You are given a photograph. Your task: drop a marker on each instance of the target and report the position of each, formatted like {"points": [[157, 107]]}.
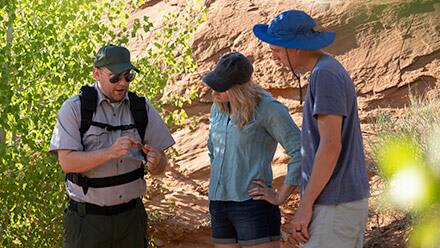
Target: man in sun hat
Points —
{"points": [[104, 138], [333, 210]]}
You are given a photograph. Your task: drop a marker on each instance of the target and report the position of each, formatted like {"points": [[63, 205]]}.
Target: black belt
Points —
{"points": [[103, 182], [103, 210]]}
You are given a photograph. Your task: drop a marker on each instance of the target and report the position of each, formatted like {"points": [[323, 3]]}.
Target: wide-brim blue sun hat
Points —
{"points": [[293, 29]]}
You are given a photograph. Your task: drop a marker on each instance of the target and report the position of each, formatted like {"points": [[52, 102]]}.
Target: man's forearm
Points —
{"points": [[323, 167], [82, 161]]}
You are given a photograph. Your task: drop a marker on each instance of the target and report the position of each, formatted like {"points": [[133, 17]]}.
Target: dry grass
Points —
{"points": [[389, 227]]}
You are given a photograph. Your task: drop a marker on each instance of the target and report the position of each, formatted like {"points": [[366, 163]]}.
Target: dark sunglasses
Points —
{"points": [[128, 77]]}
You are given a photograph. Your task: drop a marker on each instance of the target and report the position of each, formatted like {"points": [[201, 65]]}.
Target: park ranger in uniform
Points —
{"points": [[105, 138]]}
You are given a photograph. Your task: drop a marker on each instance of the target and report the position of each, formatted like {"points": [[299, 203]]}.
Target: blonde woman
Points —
{"points": [[246, 124]]}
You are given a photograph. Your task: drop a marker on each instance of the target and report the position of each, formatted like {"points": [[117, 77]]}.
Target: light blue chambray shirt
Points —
{"points": [[240, 155]]}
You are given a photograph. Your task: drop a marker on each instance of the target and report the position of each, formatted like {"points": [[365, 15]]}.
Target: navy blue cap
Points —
{"points": [[233, 68]]}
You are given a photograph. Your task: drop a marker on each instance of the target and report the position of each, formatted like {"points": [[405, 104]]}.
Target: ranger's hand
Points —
{"points": [[156, 160], [122, 147]]}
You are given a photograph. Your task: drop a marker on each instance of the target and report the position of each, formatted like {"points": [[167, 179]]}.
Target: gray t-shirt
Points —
{"points": [[66, 136], [331, 92]]}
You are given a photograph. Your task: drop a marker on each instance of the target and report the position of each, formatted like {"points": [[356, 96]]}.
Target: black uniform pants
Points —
{"points": [[89, 226]]}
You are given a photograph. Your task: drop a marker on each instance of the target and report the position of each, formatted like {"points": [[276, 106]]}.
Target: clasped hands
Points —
{"points": [[124, 144]]}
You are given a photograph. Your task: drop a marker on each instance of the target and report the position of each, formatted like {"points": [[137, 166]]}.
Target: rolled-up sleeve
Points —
{"points": [[282, 128]]}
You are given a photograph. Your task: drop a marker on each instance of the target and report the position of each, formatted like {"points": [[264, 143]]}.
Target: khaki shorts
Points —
{"points": [[340, 226]]}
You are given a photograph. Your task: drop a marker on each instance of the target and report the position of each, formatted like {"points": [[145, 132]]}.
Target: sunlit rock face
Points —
{"points": [[390, 48]]}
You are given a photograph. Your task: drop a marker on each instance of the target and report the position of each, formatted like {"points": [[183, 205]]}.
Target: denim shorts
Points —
{"points": [[247, 223]]}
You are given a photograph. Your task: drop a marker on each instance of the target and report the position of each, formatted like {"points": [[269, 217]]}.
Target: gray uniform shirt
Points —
{"points": [[66, 136]]}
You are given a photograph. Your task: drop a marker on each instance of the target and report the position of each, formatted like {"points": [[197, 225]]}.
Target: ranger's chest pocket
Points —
{"points": [[136, 151], [96, 138], [133, 133]]}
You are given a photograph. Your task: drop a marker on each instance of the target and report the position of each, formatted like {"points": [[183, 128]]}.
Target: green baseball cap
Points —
{"points": [[115, 58]]}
